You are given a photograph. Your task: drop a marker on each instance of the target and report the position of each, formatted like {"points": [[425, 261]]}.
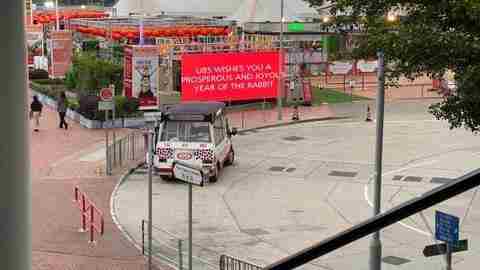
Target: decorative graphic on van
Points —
{"points": [[184, 156], [165, 153], [204, 154]]}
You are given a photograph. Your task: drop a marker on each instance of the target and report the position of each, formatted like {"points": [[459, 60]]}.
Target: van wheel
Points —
{"points": [[214, 177], [166, 178], [230, 158]]}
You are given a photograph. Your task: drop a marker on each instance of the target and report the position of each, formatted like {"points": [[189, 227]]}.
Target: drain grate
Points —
{"points": [[294, 138], [413, 179], [343, 174], [277, 169], [441, 180], [290, 169], [394, 260], [397, 177], [255, 231]]}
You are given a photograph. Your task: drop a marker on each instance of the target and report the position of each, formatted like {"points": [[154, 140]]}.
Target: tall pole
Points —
{"points": [[150, 214], [448, 256], [142, 39], [190, 221], [280, 71], [376, 244], [15, 194], [56, 15]]}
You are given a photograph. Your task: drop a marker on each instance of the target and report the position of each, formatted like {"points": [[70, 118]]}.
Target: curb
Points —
{"points": [[113, 214], [295, 122], [124, 232]]}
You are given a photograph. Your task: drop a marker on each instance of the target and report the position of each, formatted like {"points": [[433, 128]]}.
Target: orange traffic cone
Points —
{"points": [[369, 114]]}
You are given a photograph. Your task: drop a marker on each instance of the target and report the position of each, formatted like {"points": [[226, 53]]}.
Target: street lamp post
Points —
{"points": [[142, 39], [56, 15], [280, 71], [376, 244]]}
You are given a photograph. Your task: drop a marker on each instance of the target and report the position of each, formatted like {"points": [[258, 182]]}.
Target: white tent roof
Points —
{"points": [[269, 10], [240, 10]]}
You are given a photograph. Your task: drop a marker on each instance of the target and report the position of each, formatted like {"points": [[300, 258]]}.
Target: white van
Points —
{"points": [[196, 133]]}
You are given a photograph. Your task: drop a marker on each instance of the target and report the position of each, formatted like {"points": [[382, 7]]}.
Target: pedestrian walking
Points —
{"points": [[62, 109], [36, 112]]}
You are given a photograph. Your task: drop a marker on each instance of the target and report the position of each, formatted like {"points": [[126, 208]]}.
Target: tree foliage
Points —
{"points": [[431, 37], [89, 74]]}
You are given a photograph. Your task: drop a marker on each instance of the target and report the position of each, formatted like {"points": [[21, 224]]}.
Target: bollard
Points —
{"points": [[143, 236], [120, 151], [84, 209], [114, 150], [243, 119], [369, 114], [92, 229], [133, 146], [295, 114], [180, 255], [108, 159]]}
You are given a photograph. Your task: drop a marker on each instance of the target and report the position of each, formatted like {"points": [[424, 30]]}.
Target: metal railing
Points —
{"points": [[169, 248], [128, 148], [230, 263], [89, 215]]}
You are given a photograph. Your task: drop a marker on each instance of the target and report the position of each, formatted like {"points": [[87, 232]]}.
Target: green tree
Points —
{"points": [[431, 37], [89, 74]]}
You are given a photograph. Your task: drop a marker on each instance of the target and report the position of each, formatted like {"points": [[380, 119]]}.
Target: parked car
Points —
{"points": [[196, 133]]}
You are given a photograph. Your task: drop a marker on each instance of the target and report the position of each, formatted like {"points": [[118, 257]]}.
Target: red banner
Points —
{"points": [[61, 45], [230, 76], [141, 78], [127, 71]]}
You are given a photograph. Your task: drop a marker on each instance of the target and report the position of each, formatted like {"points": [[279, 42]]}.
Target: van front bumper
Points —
{"points": [[167, 170]]}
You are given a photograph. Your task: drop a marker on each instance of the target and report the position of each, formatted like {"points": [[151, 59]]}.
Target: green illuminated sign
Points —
{"points": [[296, 27]]}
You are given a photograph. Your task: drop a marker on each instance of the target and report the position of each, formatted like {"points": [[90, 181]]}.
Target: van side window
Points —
{"points": [[219, 130]]}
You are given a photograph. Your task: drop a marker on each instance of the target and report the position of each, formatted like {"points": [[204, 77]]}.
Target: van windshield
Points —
{"points": [[181, 131]]}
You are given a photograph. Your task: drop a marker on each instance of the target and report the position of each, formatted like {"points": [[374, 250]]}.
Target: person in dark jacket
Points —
{"points": [[62, 109], [36, 111]]}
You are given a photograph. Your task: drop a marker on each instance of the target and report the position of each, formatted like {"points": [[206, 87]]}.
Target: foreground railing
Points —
{"points": [[392, 216], [171, 250], [121, 150], [230, 263]]}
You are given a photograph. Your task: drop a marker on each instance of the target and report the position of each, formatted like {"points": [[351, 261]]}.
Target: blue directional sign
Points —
{"points": [[446, 227]]}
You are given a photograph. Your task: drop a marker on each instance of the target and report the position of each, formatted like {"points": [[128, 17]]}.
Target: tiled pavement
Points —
{"points": [[57, 167]]}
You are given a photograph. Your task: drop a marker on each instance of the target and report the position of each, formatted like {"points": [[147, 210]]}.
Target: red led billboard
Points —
{"points": [[230, 76]]}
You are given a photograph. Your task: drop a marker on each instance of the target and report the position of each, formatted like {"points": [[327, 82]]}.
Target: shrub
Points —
{"points": [[88, 106], [73, 104]]}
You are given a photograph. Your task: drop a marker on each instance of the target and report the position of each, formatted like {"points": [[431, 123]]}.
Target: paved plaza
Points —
{"points": [[293, 186]]}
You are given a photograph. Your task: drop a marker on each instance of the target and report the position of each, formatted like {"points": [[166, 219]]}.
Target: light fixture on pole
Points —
{"points": [[280, 71], [56, 15], [141, 31]]}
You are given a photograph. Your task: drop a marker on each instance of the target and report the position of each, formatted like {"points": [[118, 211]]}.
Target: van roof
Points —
{"points": [[203, 108]]}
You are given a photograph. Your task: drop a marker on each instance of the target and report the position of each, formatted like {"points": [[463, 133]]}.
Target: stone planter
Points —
{"points": [[134, 122], [73, 115], [118, 123], [90, 123]]}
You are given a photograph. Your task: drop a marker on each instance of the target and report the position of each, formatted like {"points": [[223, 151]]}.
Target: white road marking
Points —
{"points": [[397, 171]]}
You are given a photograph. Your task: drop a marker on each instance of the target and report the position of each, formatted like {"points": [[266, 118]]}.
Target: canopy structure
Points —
{"points": [[270, 10], [239, 10]]}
